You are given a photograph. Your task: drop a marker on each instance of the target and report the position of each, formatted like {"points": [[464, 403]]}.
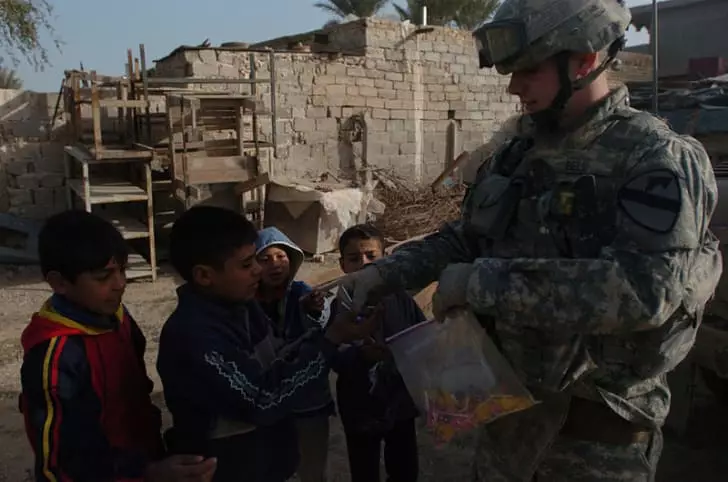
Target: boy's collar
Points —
{"points": [[68, 309], [189, 290]]}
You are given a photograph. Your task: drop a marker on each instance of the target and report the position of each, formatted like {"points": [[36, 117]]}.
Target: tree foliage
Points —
{"points": [[21, 25], [9, 79], [467, 14], [359, 8]]}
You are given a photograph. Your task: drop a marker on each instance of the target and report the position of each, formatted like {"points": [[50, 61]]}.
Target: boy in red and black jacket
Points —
{"points": [[85, 390]]}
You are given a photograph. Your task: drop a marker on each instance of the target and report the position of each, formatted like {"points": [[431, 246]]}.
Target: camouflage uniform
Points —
{"points": [[592, 263]]}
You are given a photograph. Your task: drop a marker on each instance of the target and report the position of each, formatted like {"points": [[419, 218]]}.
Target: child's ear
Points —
{"points": [[341, 263], [202, 275], [57, 282]]}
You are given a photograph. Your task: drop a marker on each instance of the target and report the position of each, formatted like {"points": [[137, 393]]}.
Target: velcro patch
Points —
{"points": [[652, 199]]}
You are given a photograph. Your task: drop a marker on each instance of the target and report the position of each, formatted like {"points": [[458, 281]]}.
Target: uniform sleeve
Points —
{"points": [[415, 265], [662, 259], [62, 416], [261, 386]]}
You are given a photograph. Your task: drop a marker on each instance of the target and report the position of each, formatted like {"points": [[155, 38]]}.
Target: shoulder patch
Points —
{"points": [[652, 199]]}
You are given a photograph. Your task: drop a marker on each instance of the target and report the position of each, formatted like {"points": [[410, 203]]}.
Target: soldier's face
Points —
{"points": [[536, 88]]}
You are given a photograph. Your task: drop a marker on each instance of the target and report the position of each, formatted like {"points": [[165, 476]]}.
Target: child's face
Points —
{"points": [[359, 253], [236, 281], [98, 291], [275, 265]]}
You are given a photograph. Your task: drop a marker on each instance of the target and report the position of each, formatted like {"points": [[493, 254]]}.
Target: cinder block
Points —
{"points": [[18, 167], [27, 181], [44, 196], [304, 125], [20, 197], [316, 112], [375, 102], [50, 180], [380, 114]]}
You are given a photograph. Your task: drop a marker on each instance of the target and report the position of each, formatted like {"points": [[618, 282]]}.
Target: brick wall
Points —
{"points": [[31, 165], [409, 87]]}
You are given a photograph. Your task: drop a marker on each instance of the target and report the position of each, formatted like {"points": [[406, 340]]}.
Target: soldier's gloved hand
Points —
{"points": [[366, 288], [451, 290]]}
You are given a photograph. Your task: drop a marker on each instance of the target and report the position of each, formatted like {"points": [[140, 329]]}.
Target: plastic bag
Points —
{"points": [[456, 376]]}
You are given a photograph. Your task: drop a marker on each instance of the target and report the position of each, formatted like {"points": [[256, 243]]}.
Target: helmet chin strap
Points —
{"points": [[549, 118]]}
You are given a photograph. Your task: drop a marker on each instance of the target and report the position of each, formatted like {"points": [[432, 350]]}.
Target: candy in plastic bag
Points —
{"points": [[456, 375]]}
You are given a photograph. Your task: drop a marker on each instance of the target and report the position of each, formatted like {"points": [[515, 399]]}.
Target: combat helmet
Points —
{"points": [[524, 33]]}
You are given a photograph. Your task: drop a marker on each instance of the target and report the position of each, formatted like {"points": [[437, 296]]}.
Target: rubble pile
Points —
{"points": [[413, 210]]}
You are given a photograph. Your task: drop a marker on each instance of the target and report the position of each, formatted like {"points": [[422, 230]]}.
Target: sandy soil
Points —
{"points": [[697, 456]]}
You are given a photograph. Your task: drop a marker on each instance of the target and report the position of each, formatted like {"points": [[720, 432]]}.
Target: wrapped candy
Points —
{"points": [[456, 375]]}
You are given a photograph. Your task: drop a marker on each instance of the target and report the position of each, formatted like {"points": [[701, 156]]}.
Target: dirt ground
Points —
{"points": [[697, 456]]}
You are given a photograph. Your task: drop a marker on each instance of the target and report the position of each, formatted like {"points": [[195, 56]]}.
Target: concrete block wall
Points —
{"points": [[31, 165], [409, 87]]}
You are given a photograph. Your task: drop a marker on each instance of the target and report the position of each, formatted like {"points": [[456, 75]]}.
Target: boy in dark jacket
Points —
{"points": [[85, 389], [373, 401], [294, 309], [230, 382]]}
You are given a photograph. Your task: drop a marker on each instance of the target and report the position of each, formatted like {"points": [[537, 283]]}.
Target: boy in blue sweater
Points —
{"points": [[374, 404], [294, 309], [230, 382]]}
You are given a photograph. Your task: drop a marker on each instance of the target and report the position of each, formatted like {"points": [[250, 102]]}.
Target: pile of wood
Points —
{"points": [[412, 211]]}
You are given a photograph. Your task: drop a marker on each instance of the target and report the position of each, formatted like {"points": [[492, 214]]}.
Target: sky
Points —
{"points": [[98, 32]]}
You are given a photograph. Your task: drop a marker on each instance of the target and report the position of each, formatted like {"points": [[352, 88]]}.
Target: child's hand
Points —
{"points": [[313, 302], [375, 352], [177, 468]]}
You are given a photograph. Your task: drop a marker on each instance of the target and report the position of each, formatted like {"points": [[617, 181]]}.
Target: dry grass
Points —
{"points": [[413, 211]]}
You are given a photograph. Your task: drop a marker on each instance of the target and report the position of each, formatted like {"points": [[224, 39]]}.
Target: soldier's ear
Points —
{"points": [[584, 64]]}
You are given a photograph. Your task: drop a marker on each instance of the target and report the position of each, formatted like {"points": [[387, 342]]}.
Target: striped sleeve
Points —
{"points": [[53, 409], [62, 415]]}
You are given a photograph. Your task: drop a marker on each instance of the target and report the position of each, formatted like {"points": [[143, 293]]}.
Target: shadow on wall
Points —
{"points": [[352, 138]]}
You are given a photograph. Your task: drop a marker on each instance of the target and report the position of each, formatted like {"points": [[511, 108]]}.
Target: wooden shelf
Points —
{"points": [[138, 267], [108, 191], [129, 227]]}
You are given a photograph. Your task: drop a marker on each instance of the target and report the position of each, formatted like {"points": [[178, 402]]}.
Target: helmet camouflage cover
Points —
{"points": [[524, 33]]}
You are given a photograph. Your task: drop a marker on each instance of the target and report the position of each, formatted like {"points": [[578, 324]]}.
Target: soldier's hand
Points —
{"points": [[451, 290], [366, 287], [181, 468], [348, 326]]}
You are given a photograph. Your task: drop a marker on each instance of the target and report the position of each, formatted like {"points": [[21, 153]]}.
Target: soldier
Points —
{"points": [[583, 247]]}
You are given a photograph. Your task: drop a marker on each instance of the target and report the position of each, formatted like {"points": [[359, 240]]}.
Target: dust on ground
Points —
{"points": [[697, 456]]}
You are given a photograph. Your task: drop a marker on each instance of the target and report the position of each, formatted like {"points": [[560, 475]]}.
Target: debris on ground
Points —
{"points": [[413, 210]]}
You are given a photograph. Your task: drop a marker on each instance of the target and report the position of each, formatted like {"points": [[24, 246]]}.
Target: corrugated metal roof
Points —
{"points": [[698, 108]]}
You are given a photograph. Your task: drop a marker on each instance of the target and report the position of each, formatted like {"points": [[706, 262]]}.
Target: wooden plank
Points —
{"points": [[123, 104], [214, 163], [219, 176], [138, 267], [129, 227], [96, 112], [202, 81], [77, 153], [108, 153], [246, 186], [108, 191]]}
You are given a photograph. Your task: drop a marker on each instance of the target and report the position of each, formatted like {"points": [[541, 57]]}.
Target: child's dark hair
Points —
{"points": [[207, 235], [360, 232], [75, 242]]}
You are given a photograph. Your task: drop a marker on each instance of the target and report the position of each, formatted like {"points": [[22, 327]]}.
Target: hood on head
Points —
{"points": [[272, 236]]}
